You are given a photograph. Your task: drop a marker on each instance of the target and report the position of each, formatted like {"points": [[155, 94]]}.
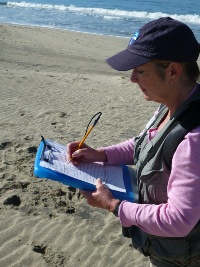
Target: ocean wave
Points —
{"points": [[115, 14]]}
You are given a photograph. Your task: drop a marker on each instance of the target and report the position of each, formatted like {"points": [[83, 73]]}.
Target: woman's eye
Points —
{"points": [[140, 71]]}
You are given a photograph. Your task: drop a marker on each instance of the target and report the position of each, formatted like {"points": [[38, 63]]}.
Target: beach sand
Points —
{"points": [[52, 82]]}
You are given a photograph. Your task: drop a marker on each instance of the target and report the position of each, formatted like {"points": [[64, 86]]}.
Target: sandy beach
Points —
{"points": [[52, 82]]}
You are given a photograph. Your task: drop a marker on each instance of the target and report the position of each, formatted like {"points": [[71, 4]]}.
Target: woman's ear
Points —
{"points": [[175, 71]]}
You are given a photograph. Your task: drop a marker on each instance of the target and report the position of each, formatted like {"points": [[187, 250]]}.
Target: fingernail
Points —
{"points": [[74, 154]]}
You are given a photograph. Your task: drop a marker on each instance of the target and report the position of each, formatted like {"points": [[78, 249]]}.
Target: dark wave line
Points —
{"points": [[3, 3]]}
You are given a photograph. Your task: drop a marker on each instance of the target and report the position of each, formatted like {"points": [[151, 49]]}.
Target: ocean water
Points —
{"points": [[107, 17]]}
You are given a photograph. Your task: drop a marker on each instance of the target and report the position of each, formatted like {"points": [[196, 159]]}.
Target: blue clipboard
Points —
{"points": [[129, 179]]}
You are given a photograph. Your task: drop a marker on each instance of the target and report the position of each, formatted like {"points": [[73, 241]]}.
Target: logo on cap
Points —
{"points": [[134, 37]]}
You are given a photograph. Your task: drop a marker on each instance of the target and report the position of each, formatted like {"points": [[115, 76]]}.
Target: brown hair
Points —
{"points": [[191, 70]]}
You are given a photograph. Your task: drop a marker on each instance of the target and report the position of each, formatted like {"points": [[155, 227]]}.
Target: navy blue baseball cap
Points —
{"points": [[164, 39]]}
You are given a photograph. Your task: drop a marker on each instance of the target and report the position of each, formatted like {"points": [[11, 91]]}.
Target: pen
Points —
{"points": [[85, 136], [88, 131]]}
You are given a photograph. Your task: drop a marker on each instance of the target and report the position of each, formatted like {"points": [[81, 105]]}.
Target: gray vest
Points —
{"points": [[152, 182], [150, 156]]}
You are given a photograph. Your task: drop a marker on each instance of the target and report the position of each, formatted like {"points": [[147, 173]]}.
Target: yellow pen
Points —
{"points": [[85, 136], [90, 129]]}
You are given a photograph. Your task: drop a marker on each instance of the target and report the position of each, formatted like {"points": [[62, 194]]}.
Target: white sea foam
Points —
{"points": [[110, 13]]}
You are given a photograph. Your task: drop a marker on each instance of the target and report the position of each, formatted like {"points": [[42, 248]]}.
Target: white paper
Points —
{"points": [[54, 158]]}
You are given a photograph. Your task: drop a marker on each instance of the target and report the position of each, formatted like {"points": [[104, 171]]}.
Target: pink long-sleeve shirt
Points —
{"points": [[179, 215]]}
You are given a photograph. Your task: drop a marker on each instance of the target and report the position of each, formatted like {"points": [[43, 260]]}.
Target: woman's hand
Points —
{"points": [[84, 154], [101, 198]]}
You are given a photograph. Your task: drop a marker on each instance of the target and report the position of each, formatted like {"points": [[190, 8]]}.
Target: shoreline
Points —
{"points": [[54, 28]]}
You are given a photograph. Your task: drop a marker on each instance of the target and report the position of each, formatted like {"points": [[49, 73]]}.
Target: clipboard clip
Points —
{"points": [[46, 145]]}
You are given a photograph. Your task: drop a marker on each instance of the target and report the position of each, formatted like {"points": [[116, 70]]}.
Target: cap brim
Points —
{"points": [[126, 60]]}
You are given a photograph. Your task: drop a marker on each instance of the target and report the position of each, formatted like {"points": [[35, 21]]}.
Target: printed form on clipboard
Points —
{"points": [[54, 158]]}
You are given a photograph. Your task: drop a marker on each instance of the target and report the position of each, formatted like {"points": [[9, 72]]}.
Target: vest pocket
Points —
{"points": [[175, 249], [153, 187]]}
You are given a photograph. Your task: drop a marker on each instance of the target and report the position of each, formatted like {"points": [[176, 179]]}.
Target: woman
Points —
{"points": [[165, 224]]}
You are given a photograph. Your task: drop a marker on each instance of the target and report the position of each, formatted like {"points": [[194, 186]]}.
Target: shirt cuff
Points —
{"points": [[127, 212]]}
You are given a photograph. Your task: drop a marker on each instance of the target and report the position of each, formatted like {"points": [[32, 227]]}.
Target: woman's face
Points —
{"points": [[151, 84]]}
